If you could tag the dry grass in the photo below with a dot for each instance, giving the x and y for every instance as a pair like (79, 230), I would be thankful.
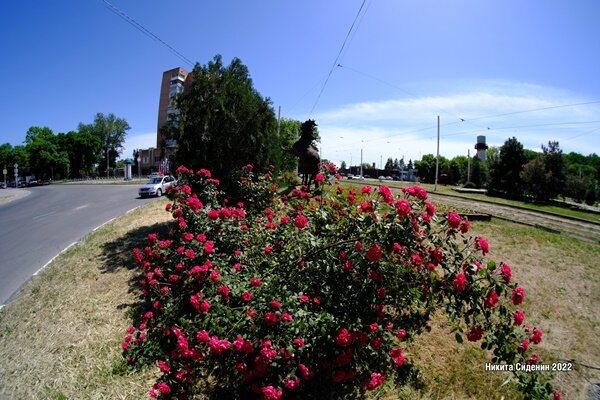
(61, 337)
(561, 276)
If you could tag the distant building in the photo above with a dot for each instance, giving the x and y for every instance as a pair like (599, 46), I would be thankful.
(481, 147)
(159, 158)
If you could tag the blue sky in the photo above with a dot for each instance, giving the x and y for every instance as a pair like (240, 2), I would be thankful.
(405, 62)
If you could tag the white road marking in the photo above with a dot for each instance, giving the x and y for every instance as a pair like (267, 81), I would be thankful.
(81, 207)
(54, 258)
(43, 215)
(100, 226)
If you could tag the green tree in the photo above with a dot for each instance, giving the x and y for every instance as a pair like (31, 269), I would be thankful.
(5, 156)
(458, 170)
(288, 135)
(492, 155)
(111, 131)
(46, 159)
(224, 122)
(576, 187)
(555, 169)
(505, 171)
(544, 177)
(389, 165)
(426, 168)
(82, 149)
(479, 172)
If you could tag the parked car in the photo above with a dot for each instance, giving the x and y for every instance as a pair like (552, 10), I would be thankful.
(157, 186)
(356, 177)
(3, 185)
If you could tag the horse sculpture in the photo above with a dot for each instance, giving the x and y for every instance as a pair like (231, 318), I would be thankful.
(309, 160)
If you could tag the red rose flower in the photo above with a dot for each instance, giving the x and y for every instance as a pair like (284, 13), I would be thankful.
(374, 254)
(518, 295)
(475, 334)
(403, 208)
(518, 317)
(492, 299)
(453, 219)
(343, 338)
(271, 318)
(301, 222)
(460, 282)
(270, 393)
(464, 226)
(255, 282)
(483, 245)
(506, 272)
(276, 305)
(536, 338)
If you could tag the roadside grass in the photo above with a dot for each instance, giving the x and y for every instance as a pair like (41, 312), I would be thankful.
(447, 190)
(61, 337)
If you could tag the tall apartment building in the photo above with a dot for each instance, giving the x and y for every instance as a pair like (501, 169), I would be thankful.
(157, 158)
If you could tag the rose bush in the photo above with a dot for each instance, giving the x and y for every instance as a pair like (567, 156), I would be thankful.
(314, 297)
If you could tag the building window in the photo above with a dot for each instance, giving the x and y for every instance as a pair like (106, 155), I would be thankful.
(156, 159)
(145, 160)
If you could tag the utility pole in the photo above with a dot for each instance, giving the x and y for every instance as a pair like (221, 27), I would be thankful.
(279, 121)
(468, 165)
(437, 157)
(361, 170)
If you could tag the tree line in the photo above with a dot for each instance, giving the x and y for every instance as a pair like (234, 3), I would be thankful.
(91, 150)
(515, 172)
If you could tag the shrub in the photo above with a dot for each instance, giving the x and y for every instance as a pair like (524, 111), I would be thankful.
(469, 185)
(590, 194)
(290, 179)
(315, 297)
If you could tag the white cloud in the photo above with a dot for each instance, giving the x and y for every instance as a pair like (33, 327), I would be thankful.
(408, 126)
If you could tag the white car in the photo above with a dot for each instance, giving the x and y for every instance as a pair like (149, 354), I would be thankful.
(157, 186)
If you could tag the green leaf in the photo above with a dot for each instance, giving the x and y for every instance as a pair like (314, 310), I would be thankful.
(458, 337)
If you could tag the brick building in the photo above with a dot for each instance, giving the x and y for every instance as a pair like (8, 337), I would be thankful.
(158, 158)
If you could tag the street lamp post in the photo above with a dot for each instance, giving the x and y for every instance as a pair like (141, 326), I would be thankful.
(16, 175)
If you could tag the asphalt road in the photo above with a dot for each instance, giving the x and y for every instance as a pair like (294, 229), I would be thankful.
(37, 227)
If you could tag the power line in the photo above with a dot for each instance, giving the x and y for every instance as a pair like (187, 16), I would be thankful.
(145, 31)
(476, 118)
(337, 58)
(524, 126)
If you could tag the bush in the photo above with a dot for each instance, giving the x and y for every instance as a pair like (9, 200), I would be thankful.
(315, 297)
(469, 185)
(290, 179)
(590, 194)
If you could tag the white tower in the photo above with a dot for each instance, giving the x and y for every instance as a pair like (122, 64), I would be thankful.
(481, 147)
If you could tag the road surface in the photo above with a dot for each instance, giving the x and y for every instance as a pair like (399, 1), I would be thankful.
(36, 227)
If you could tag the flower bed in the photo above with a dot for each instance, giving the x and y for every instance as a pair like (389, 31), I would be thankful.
(314, 297)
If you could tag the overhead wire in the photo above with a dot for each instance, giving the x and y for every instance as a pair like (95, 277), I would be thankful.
(145, 31)
(476, 118)
(470, 120)
(337, 58)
